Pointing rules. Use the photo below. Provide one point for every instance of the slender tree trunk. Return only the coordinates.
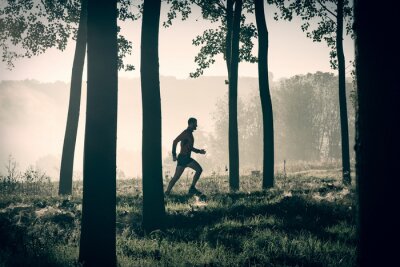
(377, 134)
(67, 159)
(266, 104)
(153, 193)
(342, 96)
(97, 244)
(228, 40)
(233, 91)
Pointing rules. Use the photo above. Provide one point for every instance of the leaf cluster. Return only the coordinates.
(182, 7)
(212, 42)
(29, 27)
(124, 49)
(325, 11)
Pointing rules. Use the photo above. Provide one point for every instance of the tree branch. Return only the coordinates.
(221, 5)
(331, 19)
(327, 9)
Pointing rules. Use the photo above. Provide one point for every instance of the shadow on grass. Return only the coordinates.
(229, 220)
(296, 214)
(20, 248)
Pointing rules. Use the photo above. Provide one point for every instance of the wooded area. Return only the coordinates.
(310, 111)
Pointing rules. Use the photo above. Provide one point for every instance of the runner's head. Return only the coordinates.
(192, 124)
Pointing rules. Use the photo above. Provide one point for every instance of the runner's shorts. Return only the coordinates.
(184, 160)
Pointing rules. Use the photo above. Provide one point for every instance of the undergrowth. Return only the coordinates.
(307, 219)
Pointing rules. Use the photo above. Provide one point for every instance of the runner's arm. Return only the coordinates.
(175, 143)
(199, 151)
(195, 150)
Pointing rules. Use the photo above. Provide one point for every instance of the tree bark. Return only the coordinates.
(67, 159)
(342, 96)
(97, 243)
(153, 193)
(265, 96)
(228, 40)
(377, 133)
(233, 91)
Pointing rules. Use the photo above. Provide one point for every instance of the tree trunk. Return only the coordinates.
(153, 193)
(228, 40)
(266, 104)
(342, 96)
(97, 244)
(67, 159)
(233, 91)
(377, 133)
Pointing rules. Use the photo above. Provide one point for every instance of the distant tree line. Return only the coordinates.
(306, 122)
(308, 117)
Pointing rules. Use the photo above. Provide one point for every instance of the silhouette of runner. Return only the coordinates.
(184, 159)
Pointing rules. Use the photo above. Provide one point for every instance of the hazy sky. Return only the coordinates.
(290, 52)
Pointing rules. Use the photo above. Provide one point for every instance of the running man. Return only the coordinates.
(184, 159)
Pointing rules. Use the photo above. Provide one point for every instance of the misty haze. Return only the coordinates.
(33, 116)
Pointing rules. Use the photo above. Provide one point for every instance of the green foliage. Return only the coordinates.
(124, 49)
(324, 12)
(29, 28)
(177, 6)
(213, 41)
(127, 10)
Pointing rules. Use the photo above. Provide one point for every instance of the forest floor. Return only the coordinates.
(307, 219)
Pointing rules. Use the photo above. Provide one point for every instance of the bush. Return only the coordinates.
(31, 182)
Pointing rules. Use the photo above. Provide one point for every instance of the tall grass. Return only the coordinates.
(307, 219)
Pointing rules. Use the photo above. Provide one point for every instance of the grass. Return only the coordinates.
(307, 219)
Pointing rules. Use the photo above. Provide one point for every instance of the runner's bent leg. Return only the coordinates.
(178, 172)
(195, 166)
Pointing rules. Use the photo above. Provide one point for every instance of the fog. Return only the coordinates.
(33, 118)
(306, 122)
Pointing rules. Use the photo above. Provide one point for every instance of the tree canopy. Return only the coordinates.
(325, 14)
(29, 28)
(212, 42)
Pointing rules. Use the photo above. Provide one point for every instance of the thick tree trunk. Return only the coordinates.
(377, 133)
(228, 40)
(342, 96)
(266, 104)
(67, 159)
(97, 244)
(233, 91)
(153, 193)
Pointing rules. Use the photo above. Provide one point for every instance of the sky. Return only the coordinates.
(34, 131)
(290, 52)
